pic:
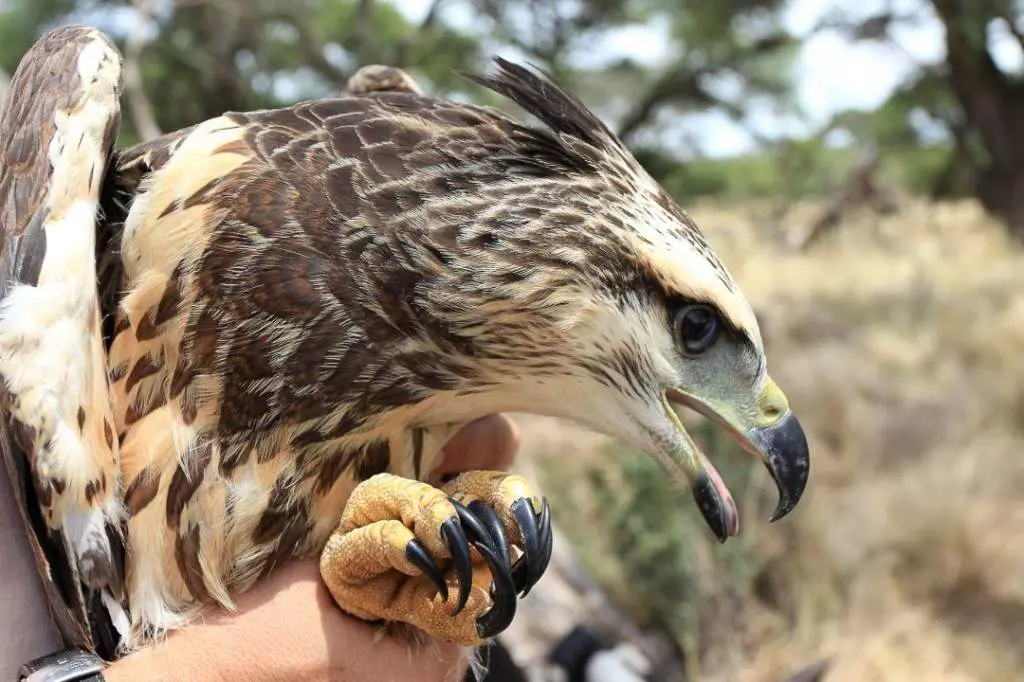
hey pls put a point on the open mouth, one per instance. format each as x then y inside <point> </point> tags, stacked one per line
<point>774,436</point>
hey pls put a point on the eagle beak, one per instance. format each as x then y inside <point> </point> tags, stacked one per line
<point>783,449</point>
<point>769,430</point>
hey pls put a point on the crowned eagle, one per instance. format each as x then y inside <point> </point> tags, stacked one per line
<point>246,341</point>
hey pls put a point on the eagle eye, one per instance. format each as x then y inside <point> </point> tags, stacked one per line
<point>696,328</point>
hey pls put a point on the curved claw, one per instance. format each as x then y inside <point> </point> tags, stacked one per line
<point>471,524</point>
<point>489,518</point>
<point>519,578</point>
<point>520,574</point>
<point>526,519</point>
<point>417,554</point>
<point>547,537</point>
<point>458,546</point>
<point>503,594</point>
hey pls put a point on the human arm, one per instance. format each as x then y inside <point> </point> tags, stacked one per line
<point>288,627</point>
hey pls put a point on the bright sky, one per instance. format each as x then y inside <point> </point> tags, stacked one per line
<point>831,73</point>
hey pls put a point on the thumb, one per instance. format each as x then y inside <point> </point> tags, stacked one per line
<point>488,443</point>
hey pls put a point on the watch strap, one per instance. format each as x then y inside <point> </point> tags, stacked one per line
<point>74,664</point>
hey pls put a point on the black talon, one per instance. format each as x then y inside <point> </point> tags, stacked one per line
<point>417,554</point>
<point>520,575</point>
<point>503,594</point>
<point>458,546</point>
<point>471,525</point>
<point>489,518</point>
<point>522,511</point>
<point>519,578</point>
<point>547,537</point>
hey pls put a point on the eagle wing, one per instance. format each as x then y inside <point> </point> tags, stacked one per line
<point>58,127</point>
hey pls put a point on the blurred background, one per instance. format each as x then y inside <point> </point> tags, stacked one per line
<point>860,169</point>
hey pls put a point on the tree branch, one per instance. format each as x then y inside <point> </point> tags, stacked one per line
<point>312,49</point>
<point>492,8</point>
<point>359,32</point>
<point>138,103</point>
<point>877,28</point>
<point>856,190</point>
<point>674,84</point>
<point>406,45</point>
<point>680,84</point>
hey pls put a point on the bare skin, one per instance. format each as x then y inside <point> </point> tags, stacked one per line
<point>288,627</point>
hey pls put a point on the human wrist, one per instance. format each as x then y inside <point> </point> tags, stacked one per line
<point>218,654</point>
<point>273,636</point>
<point>177,658</point>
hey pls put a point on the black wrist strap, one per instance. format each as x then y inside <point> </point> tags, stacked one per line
<point>67,665</point>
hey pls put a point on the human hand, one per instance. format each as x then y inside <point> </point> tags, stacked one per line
<point>288,627</point>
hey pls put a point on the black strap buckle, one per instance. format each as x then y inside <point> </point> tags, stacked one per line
<point>67,665</point>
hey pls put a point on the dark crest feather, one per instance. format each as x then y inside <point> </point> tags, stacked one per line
<point>554,106</point>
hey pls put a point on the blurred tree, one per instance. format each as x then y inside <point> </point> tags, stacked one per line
<point>992,101</point>
<point>970,102</point>
<point>720,55</point>
<point>21,23</point>
<point>191,59</point>
<point>187,60</point>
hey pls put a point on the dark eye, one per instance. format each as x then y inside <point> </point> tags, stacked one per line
<point>696,328</point>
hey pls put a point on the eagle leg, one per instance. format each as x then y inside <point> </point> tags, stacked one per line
<point>406,552</point>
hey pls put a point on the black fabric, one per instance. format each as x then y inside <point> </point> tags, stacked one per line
<point>574,652</point>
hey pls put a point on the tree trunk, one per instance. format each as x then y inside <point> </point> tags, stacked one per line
<point>992,105</point>
<point>1001,192</point>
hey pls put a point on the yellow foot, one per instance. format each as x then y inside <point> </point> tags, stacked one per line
<point>408,552</point>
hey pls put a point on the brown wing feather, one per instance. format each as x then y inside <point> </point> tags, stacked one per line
<point>47,85</point>
<point>44,82</point>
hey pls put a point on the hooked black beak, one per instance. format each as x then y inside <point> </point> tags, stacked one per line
<point>783,448</point>
<point>770,431</point>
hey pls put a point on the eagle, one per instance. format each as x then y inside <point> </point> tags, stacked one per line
<point>247,341</point>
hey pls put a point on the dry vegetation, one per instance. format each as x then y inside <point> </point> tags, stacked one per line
<point>898,340</point>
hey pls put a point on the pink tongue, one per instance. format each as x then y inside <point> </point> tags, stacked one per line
<point>732,516</point>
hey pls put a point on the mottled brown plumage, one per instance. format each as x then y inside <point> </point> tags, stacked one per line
<point>347,247</point>
<point>302,299</point>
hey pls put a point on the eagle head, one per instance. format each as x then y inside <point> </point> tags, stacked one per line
<point>568,283</point>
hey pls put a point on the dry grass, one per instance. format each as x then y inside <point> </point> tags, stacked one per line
<point>899,342</point>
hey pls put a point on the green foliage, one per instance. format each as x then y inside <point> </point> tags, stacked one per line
<point>918,170</point>
<point>736,177</point>
<point>207,57</point>
<point>203,58</point>
<point>744,176</point>
<point>22,21</point>
<point>792,170</point>
<point>678,577</point>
